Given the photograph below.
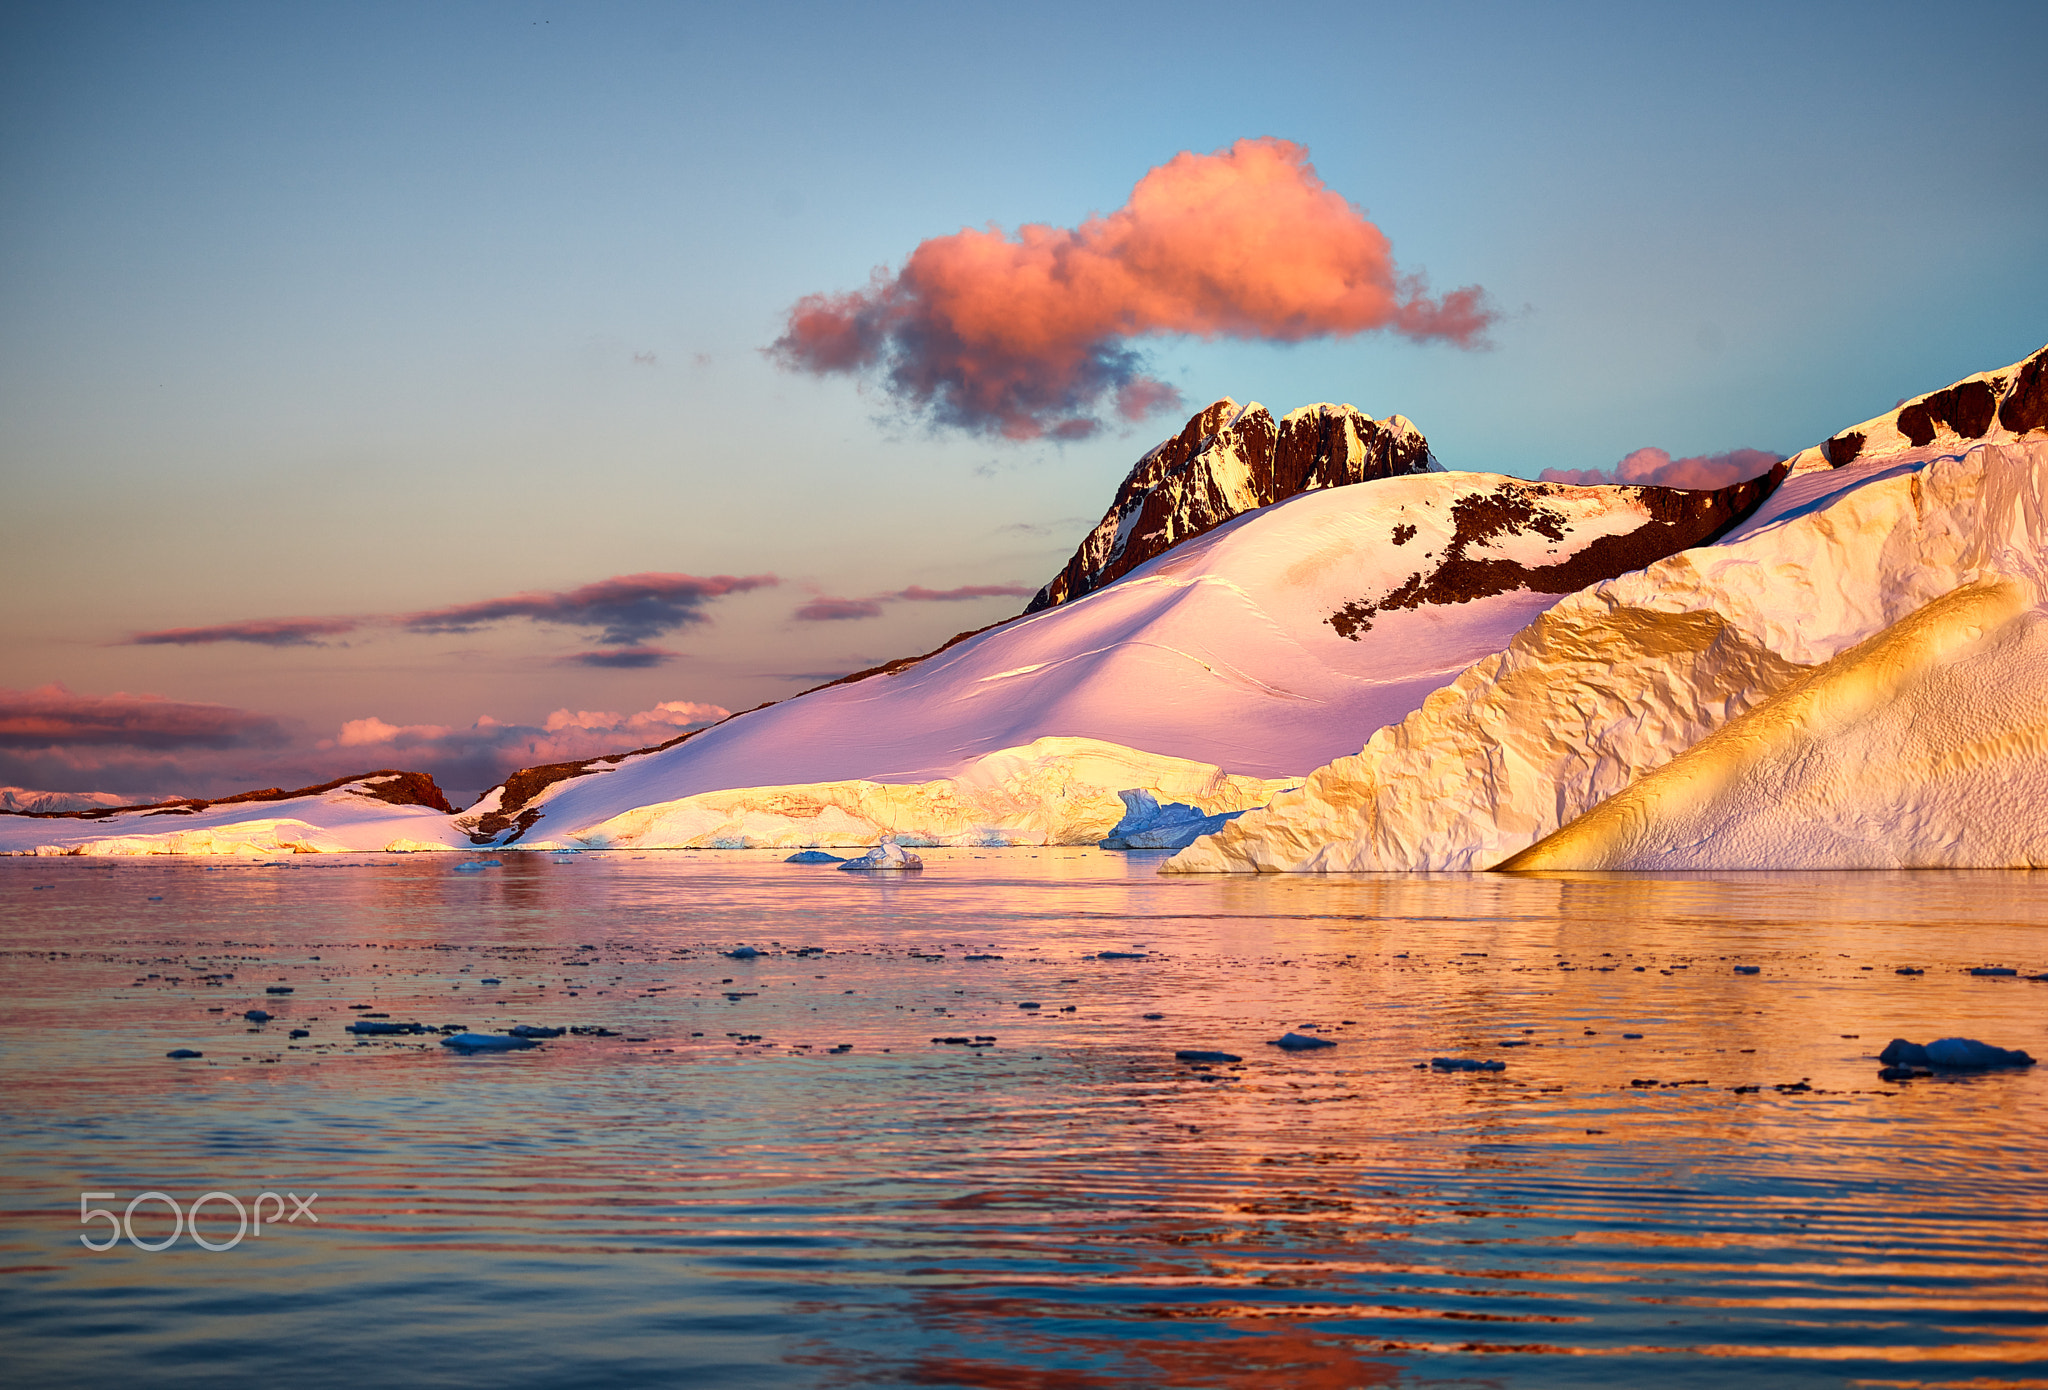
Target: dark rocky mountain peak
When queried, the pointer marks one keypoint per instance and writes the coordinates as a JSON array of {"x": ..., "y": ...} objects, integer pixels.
[{"x": 1226, "y": 461}]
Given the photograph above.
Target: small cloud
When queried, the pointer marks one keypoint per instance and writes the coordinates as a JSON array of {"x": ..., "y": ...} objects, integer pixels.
[
  {"x": 1650, "y": 467},
  {"x": 1064, "y": 526},
  {"x": 358, "y": 732},
  {"x": 622, "y": 658},
  {"x": 644, "y": 359},
  {"x": 264, "y": 632},
  {"x": 833, "y": 610},
  {"x": 630, "y": 608},
  {"x": 917, "y": 593},
  {"x": 808, "y": 676}
]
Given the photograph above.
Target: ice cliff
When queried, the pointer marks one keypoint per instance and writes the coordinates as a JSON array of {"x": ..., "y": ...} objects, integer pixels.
[{"x": 1857, "y": 669}]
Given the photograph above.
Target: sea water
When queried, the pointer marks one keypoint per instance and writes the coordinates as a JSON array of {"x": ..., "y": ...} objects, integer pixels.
[{"x": 857, "y": 1158}]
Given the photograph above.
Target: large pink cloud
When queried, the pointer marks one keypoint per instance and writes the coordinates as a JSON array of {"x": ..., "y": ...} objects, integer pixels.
[
  {"x": 1656, "y": 468},
  {"x": 1029, "y": 335}
]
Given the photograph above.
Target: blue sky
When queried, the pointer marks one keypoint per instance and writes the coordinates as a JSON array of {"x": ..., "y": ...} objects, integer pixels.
[{"x": 319, "y": 310}]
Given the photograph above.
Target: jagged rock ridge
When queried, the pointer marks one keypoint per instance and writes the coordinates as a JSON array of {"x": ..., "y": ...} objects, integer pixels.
[{"x": 1226, "y": 461}]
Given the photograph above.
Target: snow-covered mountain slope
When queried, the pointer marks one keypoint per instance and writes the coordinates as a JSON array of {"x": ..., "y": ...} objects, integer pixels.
[
  {"x": 1229, "y": 460},
  {"x": 1924, "y": 747},
  {"x": 379, "y": 810},
  {"x": 22, "y": 799},
  {"x": 1618, "y": 679},
  {"x": 1260, "y": 647},
  {"x": 1053, "y": 791}
]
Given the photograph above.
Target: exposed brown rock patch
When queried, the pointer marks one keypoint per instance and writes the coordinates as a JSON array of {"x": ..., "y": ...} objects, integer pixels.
[
  {"x": 1678, "y": 520},
  {"x": 2026, "y": 402},
  {"x": 1843, "y": 448}
]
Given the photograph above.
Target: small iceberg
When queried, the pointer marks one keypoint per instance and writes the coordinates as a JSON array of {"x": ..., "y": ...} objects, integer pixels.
[
  {"x": 740, "y": 953},
  {"x": 471, "y": 866},
  {"x": 369, "y": 1027},
  {"x": 1300, "y": 1042},
  {"x": 488, "y": 1042},
  {"x": 814, "y": 856},
  {"x": 182, "y": 1052},
  {"x": 886, "y": 855},
  {"x": 1951, "y": 1054},
  {"x": 1149, "y": 825},
  {"x": 1466, "y": 1064},
  {"x": 1196, "y": 1054},
  {"x": 531, "y": 1030}
]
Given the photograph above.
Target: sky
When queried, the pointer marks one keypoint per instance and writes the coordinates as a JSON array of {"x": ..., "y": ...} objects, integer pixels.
[{"x": 462, "y": 387}]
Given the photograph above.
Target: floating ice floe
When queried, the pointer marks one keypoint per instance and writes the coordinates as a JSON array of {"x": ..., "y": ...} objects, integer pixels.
[
  {"x": 814, "y": 856},
  {"x": 886, "y": 855},
  {"x": 532, "y": 1030},
  {"x": 1466, "y": 1064},
  {"x": 1952, "y": 1054},
  {"x": 487, "y": 1042},
  {"x": 1300, "y": 1042},
  {"x": 740, "y": 953}
]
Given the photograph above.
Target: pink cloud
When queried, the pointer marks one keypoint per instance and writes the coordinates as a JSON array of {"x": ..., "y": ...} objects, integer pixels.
[
  {"x": 1028, "y": 335},
  {"x": 267, "y": 632},
  {"x": 1656, "y": 468},
  {"x": 54, "y": 737},
  {"x": 52, "y": 716}
]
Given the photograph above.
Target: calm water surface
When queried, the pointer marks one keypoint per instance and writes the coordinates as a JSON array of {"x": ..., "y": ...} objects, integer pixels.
[{"x": 713, "y": 1196}]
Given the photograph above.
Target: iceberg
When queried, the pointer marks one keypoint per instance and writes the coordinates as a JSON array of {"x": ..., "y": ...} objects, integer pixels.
[
  {"x": 1856, "y": 669},
  {"x": 886, "y": 855},
  {"x": 1148, "y": 825}
]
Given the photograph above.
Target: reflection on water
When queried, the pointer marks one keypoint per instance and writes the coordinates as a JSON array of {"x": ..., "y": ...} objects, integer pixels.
[{"x": 769, "y": 1172}]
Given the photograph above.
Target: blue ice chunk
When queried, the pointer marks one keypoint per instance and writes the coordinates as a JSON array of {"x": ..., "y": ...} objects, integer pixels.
[{"x": 1147, "y": 824}]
